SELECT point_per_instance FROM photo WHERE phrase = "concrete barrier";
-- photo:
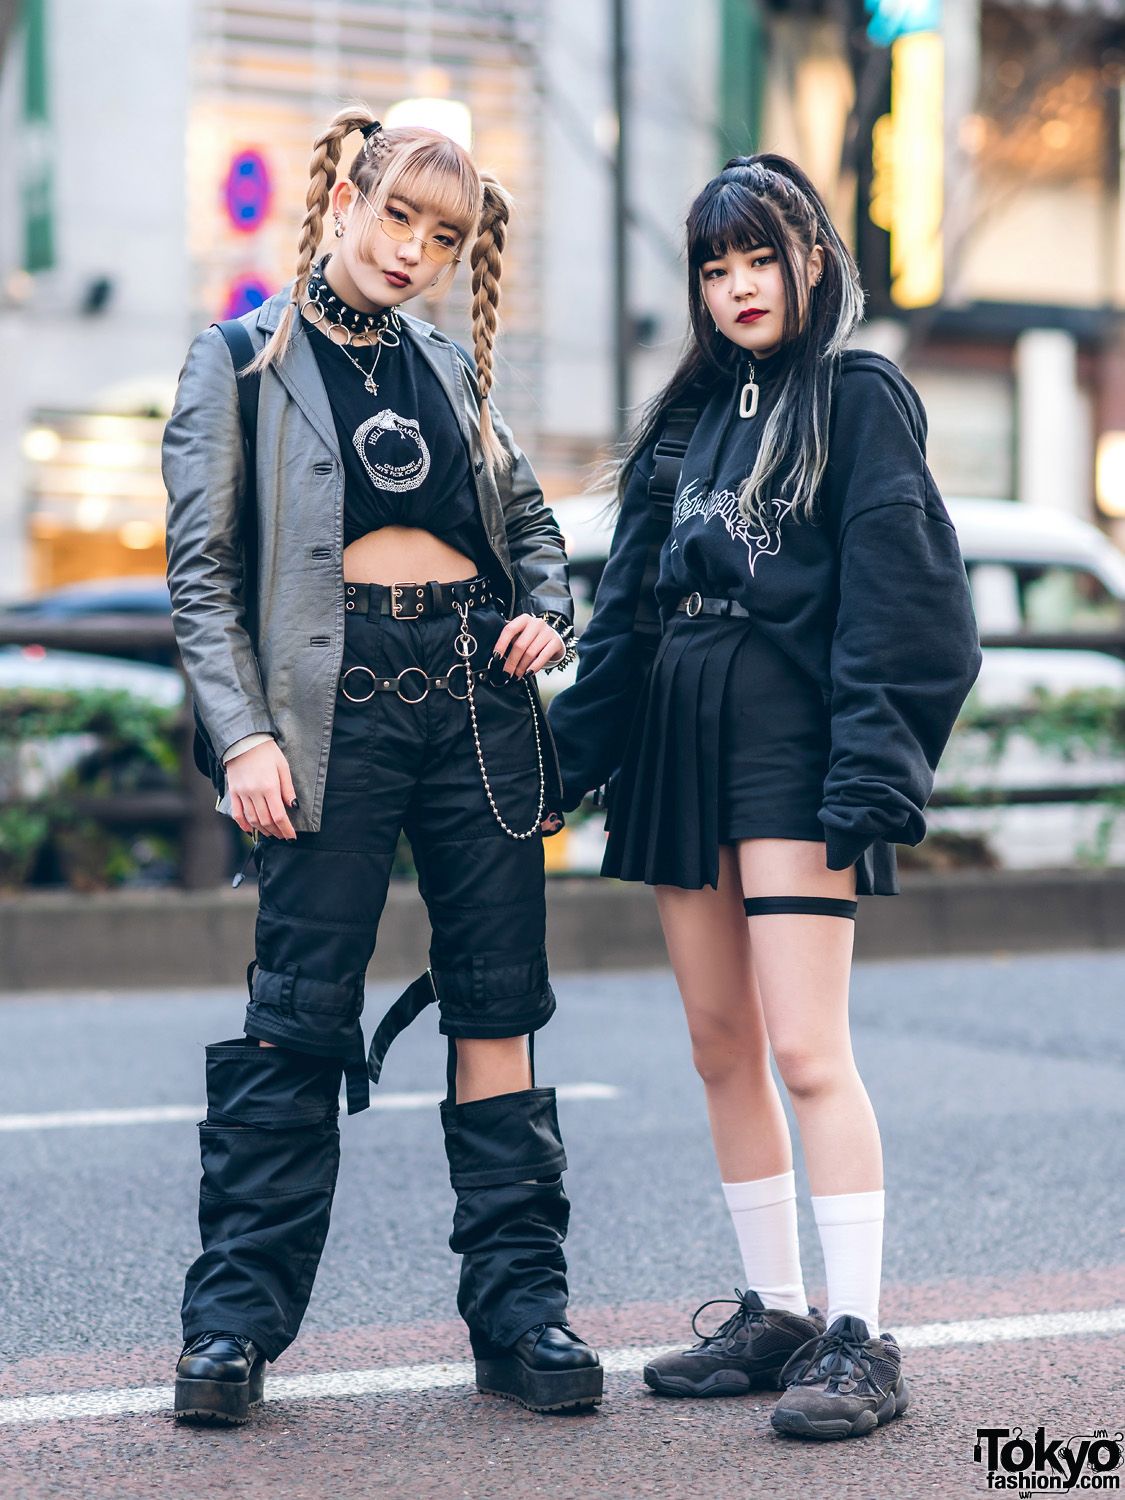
(135, 939)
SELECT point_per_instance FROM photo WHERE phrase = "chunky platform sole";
(719, 1383)
(223, 1403)
(540, 1390)
(796, 1423)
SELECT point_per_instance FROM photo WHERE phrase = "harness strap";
(407, 1008)
(669, 460)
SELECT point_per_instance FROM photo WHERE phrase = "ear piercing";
(339, 230)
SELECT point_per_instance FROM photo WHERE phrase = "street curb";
(135, 939)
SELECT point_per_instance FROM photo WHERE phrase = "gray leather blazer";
(285, 683)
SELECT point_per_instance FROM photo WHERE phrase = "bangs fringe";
(733, 219)
(434, 173)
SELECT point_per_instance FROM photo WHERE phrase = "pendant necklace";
(748, 401)
(343, 325)
(370, 384)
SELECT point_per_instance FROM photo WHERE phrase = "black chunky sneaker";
(746, 1353)
(219, 1377)
(548, 1368)
(843, 1384)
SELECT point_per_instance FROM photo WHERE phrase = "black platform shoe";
(549, 1368)
(219, 1377)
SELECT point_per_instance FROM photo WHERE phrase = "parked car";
(96, 596)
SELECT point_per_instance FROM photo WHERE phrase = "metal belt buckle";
(425, 678)
(344, 684)
(694, 604)
(397, 590)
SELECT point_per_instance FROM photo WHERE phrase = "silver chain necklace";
(370, 384)
(343, 324)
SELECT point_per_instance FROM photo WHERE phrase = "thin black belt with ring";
(695, 604)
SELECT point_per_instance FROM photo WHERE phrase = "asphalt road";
(998, 1086)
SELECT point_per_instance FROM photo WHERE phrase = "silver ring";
(344, 682)
(425, 678)
(462, 666)
(694, 605)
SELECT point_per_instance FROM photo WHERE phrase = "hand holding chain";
(465, 645)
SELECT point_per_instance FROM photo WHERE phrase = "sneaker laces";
(742, 1317)
(829, 1356)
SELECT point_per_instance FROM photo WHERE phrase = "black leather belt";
(410, 601)
(696, 604)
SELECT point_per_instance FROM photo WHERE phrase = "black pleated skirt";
(730, 741)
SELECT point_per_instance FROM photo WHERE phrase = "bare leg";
(487, 1066)
(803, 965)
(709, 947)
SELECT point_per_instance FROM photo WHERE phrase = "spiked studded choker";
(342, 324)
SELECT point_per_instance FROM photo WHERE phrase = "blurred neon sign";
(891, 19)
(244, 294)
(248, 191)
(907, 189)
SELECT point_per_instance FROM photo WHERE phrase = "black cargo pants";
(270, 1141)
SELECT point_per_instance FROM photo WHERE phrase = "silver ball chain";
(465, 645)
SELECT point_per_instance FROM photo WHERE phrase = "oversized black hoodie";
(871, 599)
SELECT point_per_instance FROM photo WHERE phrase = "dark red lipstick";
(751, 315)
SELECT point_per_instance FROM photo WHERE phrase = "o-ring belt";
(394, 684)
(696, 604)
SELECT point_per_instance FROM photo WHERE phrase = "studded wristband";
(562, 627)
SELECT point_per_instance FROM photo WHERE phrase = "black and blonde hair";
(427, 167)
(756, 201)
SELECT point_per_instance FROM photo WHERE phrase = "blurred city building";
(153, 179)
(155, 159)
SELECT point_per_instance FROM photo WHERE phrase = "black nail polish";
(294, 803)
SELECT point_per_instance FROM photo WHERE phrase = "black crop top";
(405, 460)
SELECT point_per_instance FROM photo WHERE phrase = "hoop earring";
(339, 230)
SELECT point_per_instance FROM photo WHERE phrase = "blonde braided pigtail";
(485, 259)
(322, 179)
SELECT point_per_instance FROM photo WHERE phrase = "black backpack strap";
(242, 351)
(679, 424)
(249, 385)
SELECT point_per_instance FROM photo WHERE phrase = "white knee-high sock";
(850, 1226)
(765, 1220)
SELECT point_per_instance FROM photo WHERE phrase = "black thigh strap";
(809, 906)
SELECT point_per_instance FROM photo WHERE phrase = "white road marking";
(159, 1114)
(399, 1379)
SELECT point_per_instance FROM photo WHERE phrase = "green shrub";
(137, 746)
